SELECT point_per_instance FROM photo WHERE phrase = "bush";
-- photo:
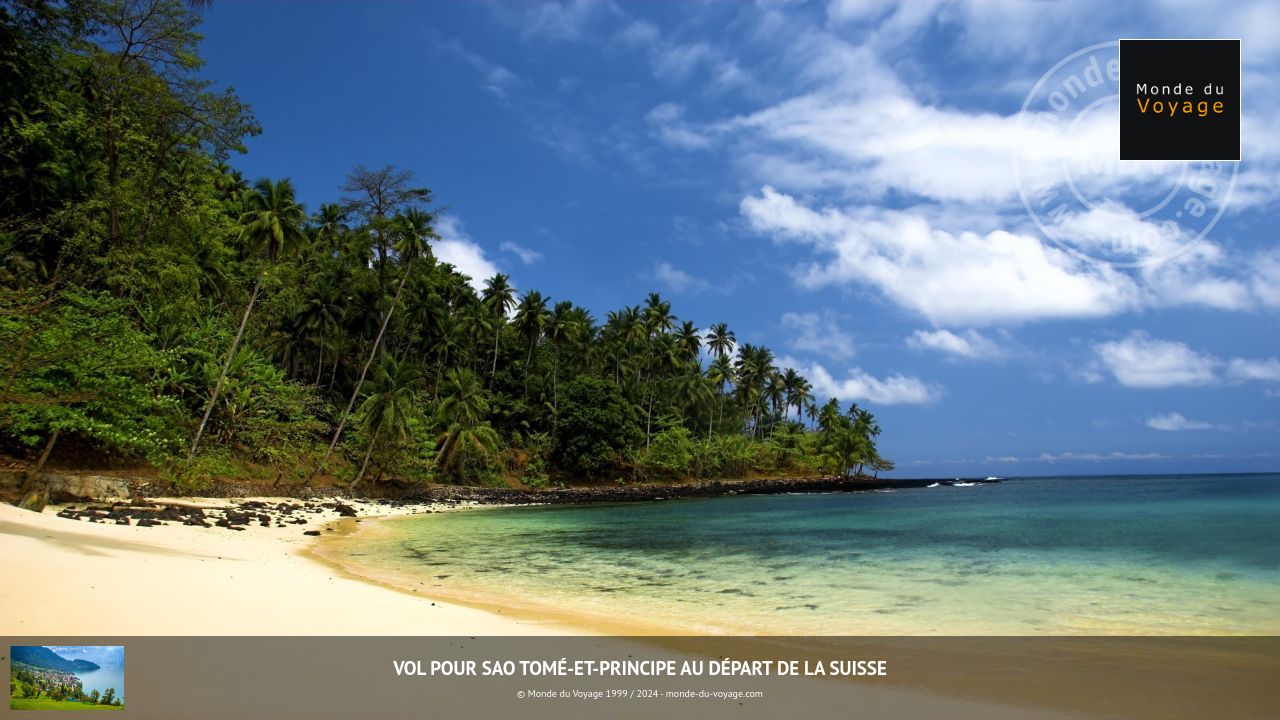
(595, 426)
(671, 452)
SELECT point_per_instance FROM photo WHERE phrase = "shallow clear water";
(1079, 555)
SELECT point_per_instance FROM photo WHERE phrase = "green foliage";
(151, 299)
(79, 365)
(671, 453)
(594, 427)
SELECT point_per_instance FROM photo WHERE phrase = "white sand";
(69, 577)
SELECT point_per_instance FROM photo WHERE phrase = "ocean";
(1116, 555)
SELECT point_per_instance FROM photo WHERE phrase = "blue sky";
(834, 180)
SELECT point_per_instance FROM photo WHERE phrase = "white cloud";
(970, 344)
(1244, 370)
(1174, 421)
(1049, 457)
(677, 280)
(1141, 361)
(1265, 280)
(819, 334)
(949, 278)
(456, 248)
(859, 386)
(528, 256)
(559, 20)
(667, 121)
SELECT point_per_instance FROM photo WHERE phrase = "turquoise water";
(1168, 555)
(104, 677)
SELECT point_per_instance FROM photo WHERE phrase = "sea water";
(1127, 555)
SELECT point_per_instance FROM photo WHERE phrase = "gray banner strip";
(592, 677)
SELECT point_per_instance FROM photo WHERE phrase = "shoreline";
(183, 580)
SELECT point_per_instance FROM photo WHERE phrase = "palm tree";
(392, 407)
(463, 410)
(321, 316)
(499, 297)
(720, 373)
(720, 340)
(690, 342)
(330, 228)
(271, 227)
(775, 393)
(413, 230)
(561, 327)
(531, 318)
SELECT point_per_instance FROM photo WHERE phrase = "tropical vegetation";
(158, 307)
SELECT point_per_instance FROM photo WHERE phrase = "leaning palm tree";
(392, 407)
(463, 409)
(413, 229)
(271, 227)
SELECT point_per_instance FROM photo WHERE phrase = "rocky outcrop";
(89, 487)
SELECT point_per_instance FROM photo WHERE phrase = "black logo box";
(1185, 67)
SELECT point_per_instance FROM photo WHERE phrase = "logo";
(1080, 192)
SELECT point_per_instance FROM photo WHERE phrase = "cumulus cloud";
(455, 247)
(949, 278)
(819, 334)
(1245, 370)
(1174, 421)
(860, 386)
(970, 344)
(1141, 361)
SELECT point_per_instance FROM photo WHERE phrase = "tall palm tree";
(391, 408)
(499, 297)
(321, 317)
(271, 228)
(690, 342)
(531, 318)
(413, 229)
(561, 327)
(775, 393)
(720, 373)
(720, 340)
(463, 409)
(329, 226)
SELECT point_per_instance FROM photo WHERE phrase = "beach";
(66, 578)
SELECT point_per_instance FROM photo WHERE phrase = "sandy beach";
(66, 577)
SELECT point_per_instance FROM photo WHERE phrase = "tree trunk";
(355, 392)
(493, 371)
(320, 361)
(226, 366)
(528, 359)
(368, 453)
(35, 494)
